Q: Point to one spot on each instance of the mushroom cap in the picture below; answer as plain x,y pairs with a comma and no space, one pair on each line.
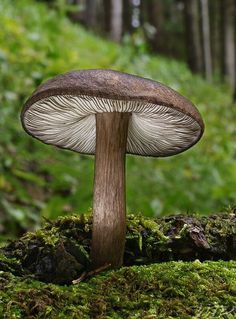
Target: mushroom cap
62,112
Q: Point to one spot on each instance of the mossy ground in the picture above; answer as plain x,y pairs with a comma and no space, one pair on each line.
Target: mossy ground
59,252
166,290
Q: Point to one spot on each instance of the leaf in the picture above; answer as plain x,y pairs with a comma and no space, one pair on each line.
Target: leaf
28,176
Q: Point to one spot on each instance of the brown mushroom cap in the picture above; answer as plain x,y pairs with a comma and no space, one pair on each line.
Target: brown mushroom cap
62,112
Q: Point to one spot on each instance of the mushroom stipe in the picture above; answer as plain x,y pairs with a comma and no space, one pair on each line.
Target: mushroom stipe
109,114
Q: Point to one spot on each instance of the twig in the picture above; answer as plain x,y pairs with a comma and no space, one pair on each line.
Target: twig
91,273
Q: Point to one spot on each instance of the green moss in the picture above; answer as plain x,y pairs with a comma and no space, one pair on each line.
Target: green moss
167,290
59,252
10,264
49,237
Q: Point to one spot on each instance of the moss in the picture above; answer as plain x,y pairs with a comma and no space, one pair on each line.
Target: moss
166,290
10,264
59,252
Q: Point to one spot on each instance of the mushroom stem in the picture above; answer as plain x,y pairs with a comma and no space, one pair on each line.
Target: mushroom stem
109,208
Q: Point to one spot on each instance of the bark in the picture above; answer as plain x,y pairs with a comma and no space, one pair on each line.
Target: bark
228,30
109,207
192,32
106,15
91,17
206,39
152,13
78,16
216,34
116,20
127,16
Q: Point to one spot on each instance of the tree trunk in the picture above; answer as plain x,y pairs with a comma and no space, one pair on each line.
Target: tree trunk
192,31
106,15
91,17
116,20
78,16
206,40
152,13
216,34
127,16
228,41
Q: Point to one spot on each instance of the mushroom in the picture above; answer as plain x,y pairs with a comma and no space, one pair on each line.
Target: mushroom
109,114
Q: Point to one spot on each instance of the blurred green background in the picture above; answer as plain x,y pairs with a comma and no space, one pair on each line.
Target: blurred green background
38,41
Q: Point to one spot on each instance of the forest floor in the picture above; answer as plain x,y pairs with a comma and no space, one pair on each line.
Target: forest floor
37,271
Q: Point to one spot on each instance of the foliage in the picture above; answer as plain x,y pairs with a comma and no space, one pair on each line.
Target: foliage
38,180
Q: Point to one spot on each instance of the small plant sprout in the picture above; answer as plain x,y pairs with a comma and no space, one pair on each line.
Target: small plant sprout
109,114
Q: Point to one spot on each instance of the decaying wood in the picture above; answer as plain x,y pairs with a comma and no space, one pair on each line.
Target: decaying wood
59,252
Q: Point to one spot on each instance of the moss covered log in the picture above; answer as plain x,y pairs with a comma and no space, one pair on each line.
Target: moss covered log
151,285
59,252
